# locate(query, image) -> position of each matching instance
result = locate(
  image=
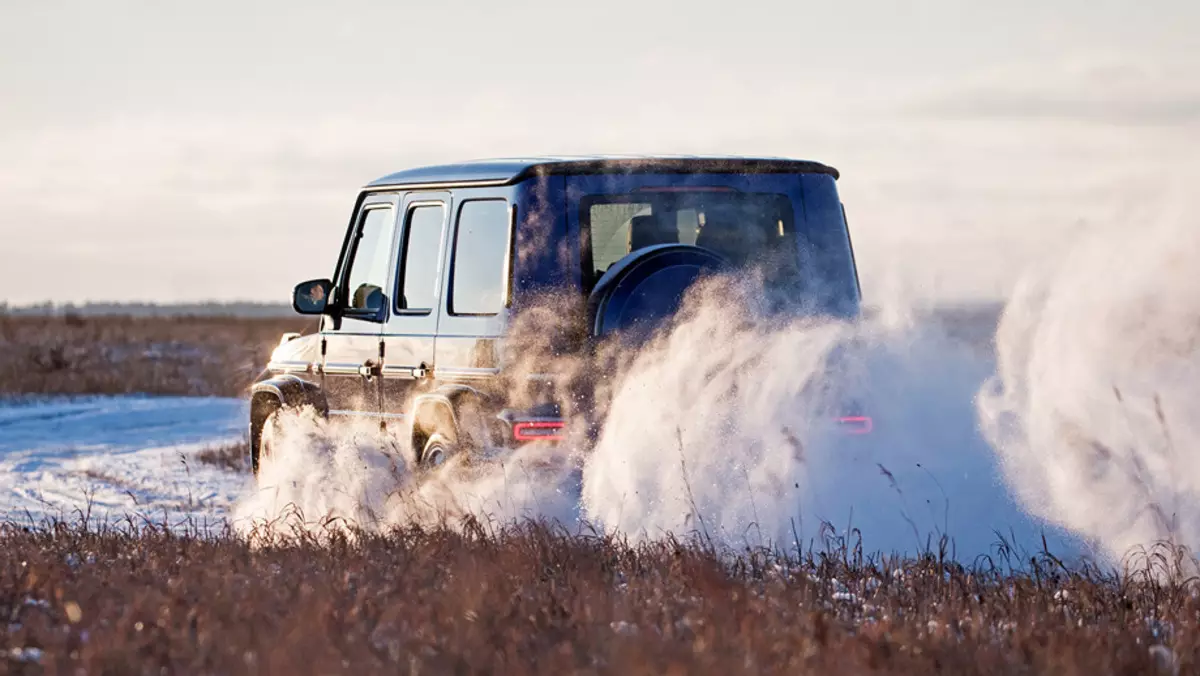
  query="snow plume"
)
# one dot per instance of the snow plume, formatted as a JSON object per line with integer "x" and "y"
{"x": 1095, "y": 408}
{"x": 328, "y": 474}
{"x": 724, "y": 427}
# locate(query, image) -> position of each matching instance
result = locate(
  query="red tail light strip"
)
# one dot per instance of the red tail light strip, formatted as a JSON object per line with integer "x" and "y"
{"x": 856, "y": 424}
{"x": 539, "y": 430}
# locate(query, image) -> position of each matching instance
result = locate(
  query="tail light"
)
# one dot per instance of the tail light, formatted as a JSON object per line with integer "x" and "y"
{"x": 539, "y": 430}
{"x": 856, "y": 424}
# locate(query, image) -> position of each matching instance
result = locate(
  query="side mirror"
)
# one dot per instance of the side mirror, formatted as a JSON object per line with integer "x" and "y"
{"x": 311, "y": 297}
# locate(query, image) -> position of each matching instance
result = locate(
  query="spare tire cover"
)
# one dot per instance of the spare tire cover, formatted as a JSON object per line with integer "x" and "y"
{"x": 641, "y": 290}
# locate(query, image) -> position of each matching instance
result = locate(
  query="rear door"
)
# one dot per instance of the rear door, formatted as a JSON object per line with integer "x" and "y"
{"x": 351, "y": 361}
{"x": 478, "y": 285}
{"x": 409, "y": 333}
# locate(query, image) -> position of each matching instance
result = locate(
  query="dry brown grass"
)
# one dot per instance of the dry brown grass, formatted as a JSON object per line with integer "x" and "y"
{"x": 234, "y": 456}
{"x": 535, "y": 601}
{"x": 216, "y": 356}
{"x": 143, "y": 599}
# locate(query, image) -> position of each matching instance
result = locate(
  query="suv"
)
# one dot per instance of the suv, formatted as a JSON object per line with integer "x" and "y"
{"x": 438, "y": 263}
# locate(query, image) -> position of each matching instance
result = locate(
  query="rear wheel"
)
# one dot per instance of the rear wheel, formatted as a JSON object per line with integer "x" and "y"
{"x": 452, "y": 436}
{"x": 439, "y": 448}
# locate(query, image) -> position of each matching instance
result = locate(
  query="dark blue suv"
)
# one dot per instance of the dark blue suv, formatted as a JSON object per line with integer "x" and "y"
{"x": 438, "y": 264}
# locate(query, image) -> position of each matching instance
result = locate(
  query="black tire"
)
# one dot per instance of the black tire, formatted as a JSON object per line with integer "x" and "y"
{"x": 438, "y": 450}
{"x": 443, "y": 436}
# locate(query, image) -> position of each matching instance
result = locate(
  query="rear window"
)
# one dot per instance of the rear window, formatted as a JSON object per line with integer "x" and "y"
{"x": 790, "y": 227}
{"x": 744, "y": 227}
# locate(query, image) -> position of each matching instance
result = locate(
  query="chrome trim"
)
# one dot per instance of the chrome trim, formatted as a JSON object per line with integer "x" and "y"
{"x": 369, "y": 414}
{"x": 404, "y": 372}
{"x": 472, "y": 336}
{"x": 289, "y": 366}
{"x": 465, "y": 373}
{"x": 342, "y": 369}
{"x": 479, "y": 183}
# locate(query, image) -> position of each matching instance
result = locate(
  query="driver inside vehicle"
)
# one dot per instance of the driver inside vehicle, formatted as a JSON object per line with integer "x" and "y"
{"x": 651, "y": 229}
{"x": 367, "y": 297}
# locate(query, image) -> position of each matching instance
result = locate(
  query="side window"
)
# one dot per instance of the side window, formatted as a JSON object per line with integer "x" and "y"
{"x": 418, "y": 271}
{"x": 481, "y": 256}
{"x": 367, "y": 274}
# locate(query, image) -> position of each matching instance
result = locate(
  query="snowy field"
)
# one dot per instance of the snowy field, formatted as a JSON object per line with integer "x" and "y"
{"x": 117, "y": 457}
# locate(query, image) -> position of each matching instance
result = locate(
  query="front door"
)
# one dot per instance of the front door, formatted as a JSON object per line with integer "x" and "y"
{"x": 408, "y": 340}
{"x": 352, "y": 362}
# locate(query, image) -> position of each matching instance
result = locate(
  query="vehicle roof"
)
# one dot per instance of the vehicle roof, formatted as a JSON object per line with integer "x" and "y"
{"x": 504, "y": 171}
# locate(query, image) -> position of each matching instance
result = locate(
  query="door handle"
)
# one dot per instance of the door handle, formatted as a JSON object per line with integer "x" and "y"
{"x": 419, "y": 372}
{"x": 369, "y": 370}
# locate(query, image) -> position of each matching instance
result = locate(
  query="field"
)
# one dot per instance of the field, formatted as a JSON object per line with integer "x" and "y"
{"x": 190, "y": 356}
{"x": 134, "y": 597}
{"x": 531, "y": 600}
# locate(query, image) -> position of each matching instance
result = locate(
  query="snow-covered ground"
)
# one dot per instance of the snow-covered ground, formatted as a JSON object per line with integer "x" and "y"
{"x": 117, "y": 456}
{"x": 114, "y": 458}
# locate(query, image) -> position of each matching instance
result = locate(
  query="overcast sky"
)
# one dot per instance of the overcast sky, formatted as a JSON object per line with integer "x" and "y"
{"x": 170, "y": 151}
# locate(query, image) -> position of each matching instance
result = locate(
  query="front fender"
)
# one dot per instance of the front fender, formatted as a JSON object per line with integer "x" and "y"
{"x": 276, "y": 392}
{"x": 290, "y": 391}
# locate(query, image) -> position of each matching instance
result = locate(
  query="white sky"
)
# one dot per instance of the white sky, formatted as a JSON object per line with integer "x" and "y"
{"x": 189, "y": 151}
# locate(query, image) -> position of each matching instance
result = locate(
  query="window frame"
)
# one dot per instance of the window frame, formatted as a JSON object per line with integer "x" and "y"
{"x": 402, "y": 254}
{"x": 344, "y": 309}
{"x": 507, "y": 270}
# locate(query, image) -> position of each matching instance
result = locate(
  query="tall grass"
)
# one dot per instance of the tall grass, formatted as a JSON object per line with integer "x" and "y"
{"x": 141, "y": 598}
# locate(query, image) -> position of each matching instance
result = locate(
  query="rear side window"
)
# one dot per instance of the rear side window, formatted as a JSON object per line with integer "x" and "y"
{"x": 369, "y": 261}
{"x": 481, "y": 258}
{"x": 418, "y": 273}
